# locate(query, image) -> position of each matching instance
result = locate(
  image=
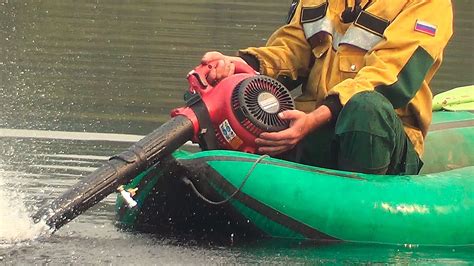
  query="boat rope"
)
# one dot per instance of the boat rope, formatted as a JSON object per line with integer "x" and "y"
{"x": 187, "y": 181}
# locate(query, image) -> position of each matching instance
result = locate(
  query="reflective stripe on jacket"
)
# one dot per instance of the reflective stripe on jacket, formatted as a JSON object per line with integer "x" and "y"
{"x": 394, "y": 47}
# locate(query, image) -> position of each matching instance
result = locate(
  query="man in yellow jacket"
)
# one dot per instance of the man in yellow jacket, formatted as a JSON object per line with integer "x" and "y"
{"x": 365, "y": 66}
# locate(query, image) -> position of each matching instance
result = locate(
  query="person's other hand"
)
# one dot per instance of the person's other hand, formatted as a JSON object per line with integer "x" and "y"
{"x": 301, "y": 124}
{"x": 224, "y": 67}
{"x": 274, "y": 143}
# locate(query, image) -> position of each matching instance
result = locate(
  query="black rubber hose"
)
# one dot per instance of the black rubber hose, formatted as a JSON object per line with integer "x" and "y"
{"x": 119, "y": 170}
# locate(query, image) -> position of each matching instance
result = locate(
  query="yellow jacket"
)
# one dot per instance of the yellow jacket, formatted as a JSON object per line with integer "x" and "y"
{"x": 394, "y": 47}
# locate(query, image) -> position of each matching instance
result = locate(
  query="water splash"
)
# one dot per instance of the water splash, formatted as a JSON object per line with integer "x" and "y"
{"x": 16, "y": 225}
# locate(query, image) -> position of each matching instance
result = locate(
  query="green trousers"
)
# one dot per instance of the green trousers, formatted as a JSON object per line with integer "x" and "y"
{"x": 367, "y": 137}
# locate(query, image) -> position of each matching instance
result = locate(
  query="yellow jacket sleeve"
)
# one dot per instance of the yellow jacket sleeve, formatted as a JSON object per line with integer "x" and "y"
{"x": 287, "y": 53}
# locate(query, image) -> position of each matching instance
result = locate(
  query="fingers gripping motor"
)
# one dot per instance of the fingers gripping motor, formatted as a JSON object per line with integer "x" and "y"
{"x": 231, "y": 114}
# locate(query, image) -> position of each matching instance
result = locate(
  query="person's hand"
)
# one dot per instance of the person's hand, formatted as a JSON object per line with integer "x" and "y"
{"x": 301, "y": 124}
{"x": 225, "y": 65}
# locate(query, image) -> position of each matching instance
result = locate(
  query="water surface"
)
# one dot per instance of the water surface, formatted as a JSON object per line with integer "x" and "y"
{"x": 119, "y": 67}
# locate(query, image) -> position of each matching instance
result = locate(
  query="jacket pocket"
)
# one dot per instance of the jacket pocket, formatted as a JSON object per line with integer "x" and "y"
{"x": 350, "y": 64}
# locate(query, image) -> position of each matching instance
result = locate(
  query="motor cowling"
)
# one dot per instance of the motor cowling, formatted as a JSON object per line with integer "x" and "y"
{"x": 234, "y": 112}
{"x": 229, "y": 115}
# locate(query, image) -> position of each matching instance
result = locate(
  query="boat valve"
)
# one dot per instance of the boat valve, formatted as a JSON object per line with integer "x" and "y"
{"x": 127, "y": 195}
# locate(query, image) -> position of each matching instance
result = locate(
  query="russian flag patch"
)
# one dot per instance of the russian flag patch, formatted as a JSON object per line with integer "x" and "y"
{"x": 425, "y": 27}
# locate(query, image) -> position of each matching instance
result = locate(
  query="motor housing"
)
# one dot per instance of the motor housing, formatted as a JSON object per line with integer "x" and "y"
{"x": 239, "y": 108}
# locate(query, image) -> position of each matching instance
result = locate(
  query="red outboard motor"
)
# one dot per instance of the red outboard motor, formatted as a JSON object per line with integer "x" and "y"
{"x": 231, "y": 114}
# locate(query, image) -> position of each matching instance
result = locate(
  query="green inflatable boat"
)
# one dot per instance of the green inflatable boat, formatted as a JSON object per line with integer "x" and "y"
{"x": 238, "y": 195}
